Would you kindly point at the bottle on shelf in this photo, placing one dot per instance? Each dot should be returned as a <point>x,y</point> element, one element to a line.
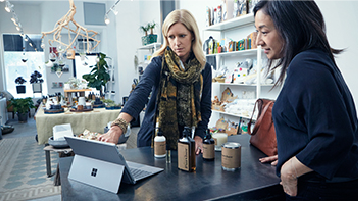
<point>159,145</point>
<point>186,151</point>
<point>208,146</point>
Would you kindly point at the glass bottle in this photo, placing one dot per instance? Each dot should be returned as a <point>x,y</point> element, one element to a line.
<point>159,145</point>
<point>186,151</point>
<point>208,146</point>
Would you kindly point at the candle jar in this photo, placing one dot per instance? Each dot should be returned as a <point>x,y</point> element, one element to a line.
<point>219,138</point>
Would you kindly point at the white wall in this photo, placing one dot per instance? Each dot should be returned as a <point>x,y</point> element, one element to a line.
<point>341,20</point>
<point>132,15</point>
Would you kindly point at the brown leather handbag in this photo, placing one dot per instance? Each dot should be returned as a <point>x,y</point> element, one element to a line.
<point>263,135</point>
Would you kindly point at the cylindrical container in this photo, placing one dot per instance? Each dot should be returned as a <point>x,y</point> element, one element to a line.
<point>219,138</point>
<point>231,156</point>
<point>82,101</point>
<point>159,146</point>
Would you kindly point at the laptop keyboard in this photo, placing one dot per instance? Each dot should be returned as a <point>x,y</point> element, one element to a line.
<point>139,174</point>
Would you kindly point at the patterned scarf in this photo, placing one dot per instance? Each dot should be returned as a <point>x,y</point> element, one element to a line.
<point>178,98</point>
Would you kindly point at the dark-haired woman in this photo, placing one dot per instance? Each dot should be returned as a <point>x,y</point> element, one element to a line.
<point>314,115</point>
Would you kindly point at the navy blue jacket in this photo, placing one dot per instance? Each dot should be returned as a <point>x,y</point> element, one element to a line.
<point>149,85</point>
<point>315,117</point>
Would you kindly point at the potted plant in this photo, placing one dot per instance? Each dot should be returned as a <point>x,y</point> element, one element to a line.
<point>151,38</point>
<point>22,107</point>
<point>144,29</point>
<point>98,76</point>
<point>36,82</point>
<point>21,88</point>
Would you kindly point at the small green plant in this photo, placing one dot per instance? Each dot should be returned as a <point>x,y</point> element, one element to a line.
<point>21,105</point>
<point>145,29</point>
<point>152,26</point>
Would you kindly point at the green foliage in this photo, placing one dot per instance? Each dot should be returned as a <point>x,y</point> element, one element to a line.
<point>145,29</point>
<point>108,101</point>
<point>98,76</point>
<point>152,25</point>
<point>21,105</point>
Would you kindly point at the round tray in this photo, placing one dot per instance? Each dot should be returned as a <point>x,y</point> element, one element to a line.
<point>53,111</point>
<point>99,106</point>
<point>84,110</point>
<point>113,108</point>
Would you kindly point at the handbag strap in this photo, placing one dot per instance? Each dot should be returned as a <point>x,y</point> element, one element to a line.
<point>258,122</point>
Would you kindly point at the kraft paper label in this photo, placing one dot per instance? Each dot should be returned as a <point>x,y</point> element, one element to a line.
<point>208,151</point>
<point>183,156</point>
<point>231,158</point>
<point>159,148</point>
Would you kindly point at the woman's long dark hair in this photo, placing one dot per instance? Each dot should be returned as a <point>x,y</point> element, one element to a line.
<point>302,27</point>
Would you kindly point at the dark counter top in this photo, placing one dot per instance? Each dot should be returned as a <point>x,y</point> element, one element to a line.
<point>253,181</point>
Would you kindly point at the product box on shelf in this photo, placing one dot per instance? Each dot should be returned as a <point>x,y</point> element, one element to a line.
<point>226,97</point>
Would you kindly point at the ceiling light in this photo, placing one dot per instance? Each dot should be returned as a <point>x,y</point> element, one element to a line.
<point>2,0</point>
<point>14,19</point>
<point>18,27</point>
<point>106,19</point>
<point>8,6</point>
<point>26,38</point>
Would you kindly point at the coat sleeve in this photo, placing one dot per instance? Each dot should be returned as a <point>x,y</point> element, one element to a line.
<point>205,104</point>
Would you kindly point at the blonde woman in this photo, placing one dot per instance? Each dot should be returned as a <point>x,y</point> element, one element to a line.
<point>178,80</point>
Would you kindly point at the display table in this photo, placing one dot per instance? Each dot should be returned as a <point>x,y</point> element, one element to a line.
<point>254,181</point>
<point>94,121</point>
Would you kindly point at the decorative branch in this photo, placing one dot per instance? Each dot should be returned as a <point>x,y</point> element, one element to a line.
<point>64,23</point>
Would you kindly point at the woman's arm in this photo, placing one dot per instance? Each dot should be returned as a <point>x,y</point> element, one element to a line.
<point>115,132</point>
<point>290,172</point>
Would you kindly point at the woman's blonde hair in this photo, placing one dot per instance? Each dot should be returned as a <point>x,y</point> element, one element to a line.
<point>187,19</point>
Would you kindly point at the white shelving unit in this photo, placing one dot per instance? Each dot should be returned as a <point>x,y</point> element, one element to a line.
<point>143,52</point>
<point>236,29</point>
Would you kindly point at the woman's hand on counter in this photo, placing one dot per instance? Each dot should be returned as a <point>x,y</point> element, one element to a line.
<point>273,159</point>
<point>198,145</point>
<point>112,135</point>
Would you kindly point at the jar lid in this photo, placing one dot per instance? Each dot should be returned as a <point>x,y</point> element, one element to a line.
<point>231,145</point>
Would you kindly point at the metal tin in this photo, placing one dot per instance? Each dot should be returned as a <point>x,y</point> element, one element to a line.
<point>231,156</point>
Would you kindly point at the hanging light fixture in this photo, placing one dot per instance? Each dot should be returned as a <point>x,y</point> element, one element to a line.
<point>14,19</point>
<point>106,19</point>
<point>8,6</point>
<point>19,27</point>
